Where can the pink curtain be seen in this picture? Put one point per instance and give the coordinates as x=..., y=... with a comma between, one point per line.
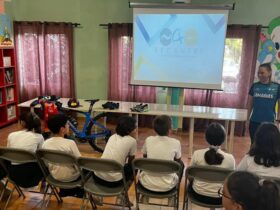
x=44, y=59
x=250, y=37
x=120, y=65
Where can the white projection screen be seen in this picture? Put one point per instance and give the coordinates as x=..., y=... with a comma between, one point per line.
x=178, y=47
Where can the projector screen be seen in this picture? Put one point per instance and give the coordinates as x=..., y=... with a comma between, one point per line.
x=178, y=47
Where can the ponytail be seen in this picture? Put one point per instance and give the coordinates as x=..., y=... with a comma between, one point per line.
x=215, y=136
x=212, y=157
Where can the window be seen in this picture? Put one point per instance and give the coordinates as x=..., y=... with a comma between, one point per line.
x=231, y=68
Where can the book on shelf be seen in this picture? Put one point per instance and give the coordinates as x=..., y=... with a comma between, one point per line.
x=9, y=76
x=1, y=100
x=10, y=94
x=11, y=112
x=7, y=61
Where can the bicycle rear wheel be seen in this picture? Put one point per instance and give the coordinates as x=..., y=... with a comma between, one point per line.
x=97, y=134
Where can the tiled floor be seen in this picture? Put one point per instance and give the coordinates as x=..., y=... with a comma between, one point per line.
x=32, y=201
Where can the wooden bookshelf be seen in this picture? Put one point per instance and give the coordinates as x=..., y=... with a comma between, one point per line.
x=8, y=86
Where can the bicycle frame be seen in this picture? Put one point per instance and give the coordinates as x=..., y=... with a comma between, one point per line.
x=83, y=134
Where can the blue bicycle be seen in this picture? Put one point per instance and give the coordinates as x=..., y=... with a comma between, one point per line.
x=91, y=130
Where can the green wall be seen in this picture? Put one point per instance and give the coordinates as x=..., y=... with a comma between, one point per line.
x=91, y=40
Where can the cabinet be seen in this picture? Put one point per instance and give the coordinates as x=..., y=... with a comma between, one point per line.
x=8, y=86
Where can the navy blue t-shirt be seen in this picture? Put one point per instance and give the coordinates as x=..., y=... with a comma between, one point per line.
x=265, y=97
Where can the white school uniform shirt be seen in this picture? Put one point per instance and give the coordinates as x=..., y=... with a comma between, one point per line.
x=164, y=148
x=63, y=173
x=210, y=189
x=248, y=164
x=24, y=139
x=118, y=148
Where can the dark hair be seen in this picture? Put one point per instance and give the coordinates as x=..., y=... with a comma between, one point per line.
x=266, y=146
x=251, y=193
x=31, y=122
x=55, y=122
x=162, y=124
x=215, y=136
x=267, y=66
x=125, y=125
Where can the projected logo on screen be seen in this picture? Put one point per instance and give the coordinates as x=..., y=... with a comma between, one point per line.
x=168, y=37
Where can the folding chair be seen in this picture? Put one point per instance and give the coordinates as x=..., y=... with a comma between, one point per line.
x=14, y=155
x=92, y=188
x=161, y=167
x=45, y=157
x=206, y=174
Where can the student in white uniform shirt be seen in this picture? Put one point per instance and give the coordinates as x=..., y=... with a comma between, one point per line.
x=122, y=148
x=161, y=147
x=263, y=158
x=29, y=138
x=59, y=127
x=212, y=156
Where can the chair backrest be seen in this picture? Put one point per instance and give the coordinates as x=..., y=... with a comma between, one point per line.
x=55, y=157
x=100, y=165
x=17, y=155
x=208, y=174
x=156, y=166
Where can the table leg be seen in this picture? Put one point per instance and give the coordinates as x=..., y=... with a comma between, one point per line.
x=136, y=129
x=231, y=135
x=226, y=139
x=191, y=131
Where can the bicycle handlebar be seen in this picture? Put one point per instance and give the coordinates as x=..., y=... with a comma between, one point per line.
x=92, y=100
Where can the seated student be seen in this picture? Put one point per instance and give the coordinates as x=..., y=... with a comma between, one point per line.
x=263, y=157
x=120, y=147
x=59, y=127
x=162, y=147
x=212, y=156
x=245, y=191
x=28, y=138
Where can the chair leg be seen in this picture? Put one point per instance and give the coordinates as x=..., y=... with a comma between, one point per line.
x=93, y=205
x=84, y=202
x=137, y=201
x=20, y=193
x=177, y=201
x=127, y=200
x=55, y=192
x=44, y=197
x=189, y=205
x=8, y=200
x=3, y=191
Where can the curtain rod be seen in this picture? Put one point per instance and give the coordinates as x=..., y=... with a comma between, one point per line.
x=107, y=25
x=75, y=25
